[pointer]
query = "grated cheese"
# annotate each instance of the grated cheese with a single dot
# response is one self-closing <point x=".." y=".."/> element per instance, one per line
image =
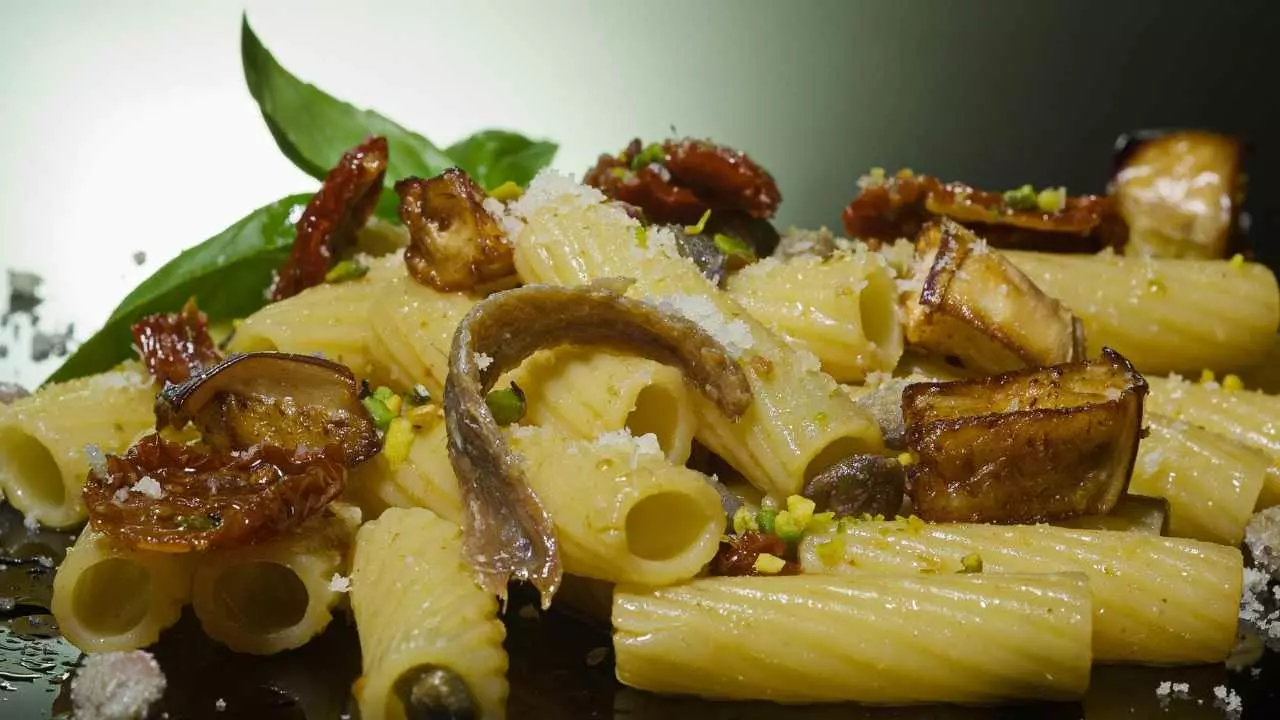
<point x="483" y="361"/>
<point x="116" y="686"/>
<point x="1228" y="700"/>
<point x="734" y="335"/>
<point x="149" y="487"/>
<point x="1262" y="535"/>
<point x="339" y="583"/>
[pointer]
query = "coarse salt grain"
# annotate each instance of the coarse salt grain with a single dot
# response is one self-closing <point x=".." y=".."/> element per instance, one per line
<point x="483" y="361"/>
<point x="339" y="583"/>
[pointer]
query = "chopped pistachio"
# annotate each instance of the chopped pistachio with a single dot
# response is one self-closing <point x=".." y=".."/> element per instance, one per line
<point x="1232" y="382"/>
<point x="346" y="270"/>
<point x="767" y="564"/>
<point x="1237" y="261"/>
<point x="744" y="520"/>
<point x="395" y="446"/>
<point x="734" y="248"/>
<point x="382" y="415"/>
<point x="507" y="405"/>
<point x="1207" y="376"/>
<point x="832" y="551"/>
<point x="619" y="173"/>
<point x="821" y="522"/>
<point x="642" y="236"/>
<point x="907" y="459"/>
<point x="652" y="153"/>
<point x="1023" y="198"/>
<point x="971" y="563"/>
<point x="787" y="526"/>
<point x="1052" y="199"/>
<point x="801" y="508"/>
<point x="506" y="192"/>
<point x="423" y="415"/>
<point x="702" y="224"/>
<point x="389" y="398"/>
<point x="765" y="520"/>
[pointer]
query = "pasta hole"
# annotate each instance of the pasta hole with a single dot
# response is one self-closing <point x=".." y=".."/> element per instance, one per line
<point x="878" y="311"/>
<point x="112" y="597"/>
<point x="834" y="452"/>
<point x="28" y="471"/>
<point x="655" y="412"/>
<point x="665" y="525"/>
<point x="260" y="598"/>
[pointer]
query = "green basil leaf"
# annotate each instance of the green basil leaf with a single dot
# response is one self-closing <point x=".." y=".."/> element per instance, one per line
<point x="228" y="274"/>
<point x="314" y="128"/>
<point x="493" y="157"/>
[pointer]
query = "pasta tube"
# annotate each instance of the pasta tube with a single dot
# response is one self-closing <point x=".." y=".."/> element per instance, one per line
<point x="1165" y="315"/>
<point x="107" y="597"/>
<point x="587" y="393"/>
<point x="883" y="639"/>
<point x="799" y="422"/>
<point x="416" y="604"/>
<point x="425" y="479"/>
<point x="1246" y="416"/>
<point x="410" y="332"/>
<point x="622" y="513"/>
<point x="330" y="319"/>
<point x="844" y="308"/>
<point x="1211" y="482"/>
<point x="274" y="596"/>
<point x="43" y="439"/>
<point x="1155" y="599"/>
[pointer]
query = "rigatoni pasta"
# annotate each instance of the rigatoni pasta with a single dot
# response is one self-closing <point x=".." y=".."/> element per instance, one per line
<point x="873" y="638"/>
<point x="587" y="393"/>
<point x="1165" y="315"/>
<point x="410" y="331"/>
<point x="843" y="308"/>
<point x="1155" y="600"/>
<point x="274" y="596"/>
<point x="1247" y="416"/>
<point x="43" y="439"/>
<point x="799" y="421"/>
<point x="107" y="597"/>
<point x="417" y="606"/>
<point x="1211" y="481"/>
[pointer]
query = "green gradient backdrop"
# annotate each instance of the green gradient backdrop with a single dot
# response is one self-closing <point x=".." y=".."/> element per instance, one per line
<point x="125" y="125"/>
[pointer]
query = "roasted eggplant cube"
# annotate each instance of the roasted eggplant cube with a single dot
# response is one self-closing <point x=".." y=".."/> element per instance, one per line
<point x="1031" y="446"/>
<point x="971" y="303"/>
<point x="1179" y="192"/>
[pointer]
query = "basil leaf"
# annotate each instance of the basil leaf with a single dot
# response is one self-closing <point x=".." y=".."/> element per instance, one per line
<point x="228" y="274"/>
<point x="314" y="128"/>
<point x="493" y="157"/>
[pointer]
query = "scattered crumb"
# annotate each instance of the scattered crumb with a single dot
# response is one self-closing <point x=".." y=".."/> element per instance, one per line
<point x="339" y="583"/>
<point x="117" y="686"/>
<point x="31" y="523"/>
<point x="221" y="705"/>
<point x="483" y="361"/>
<point x="597" y="656"/>
<point x="148" y="486"/>
<point x="139" y="257"/>
<point x="1262" y="535"/>
<point x="1227" y="699"/>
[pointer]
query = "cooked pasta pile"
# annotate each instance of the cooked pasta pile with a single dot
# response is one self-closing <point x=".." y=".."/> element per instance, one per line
<point x="911" y="465"/>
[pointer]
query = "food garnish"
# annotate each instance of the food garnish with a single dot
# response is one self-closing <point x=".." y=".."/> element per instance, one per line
<point x="677" y="181"/>
<point x="455" y="242"/>
<point x="328" y="226"/>
<point x="507" y="531"/>
<point x="739" y="555"/>
<point x="1029" y="446"/>
<point x="967" y="302"/>
<point x="171" y="497"/>
<point x="899" y="206"/>
<point x="299" y="402"/>
<point x="175" y="346"/>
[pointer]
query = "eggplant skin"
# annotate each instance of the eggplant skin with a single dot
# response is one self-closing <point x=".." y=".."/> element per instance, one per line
<point x="1030" y="446"/>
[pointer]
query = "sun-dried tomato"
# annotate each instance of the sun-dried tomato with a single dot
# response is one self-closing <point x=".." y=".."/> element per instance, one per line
<point x="679" y="180"/>
<point x="454" y="242"/>
<point x="171" y="497"/>
<point x="898" y="207"/>
<point x="175" y="346"/>
<point x="328" y="226"/>
<point x="737" y="556"/>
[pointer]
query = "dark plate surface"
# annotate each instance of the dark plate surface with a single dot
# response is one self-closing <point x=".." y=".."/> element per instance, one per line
<point x="550" y="674"/>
